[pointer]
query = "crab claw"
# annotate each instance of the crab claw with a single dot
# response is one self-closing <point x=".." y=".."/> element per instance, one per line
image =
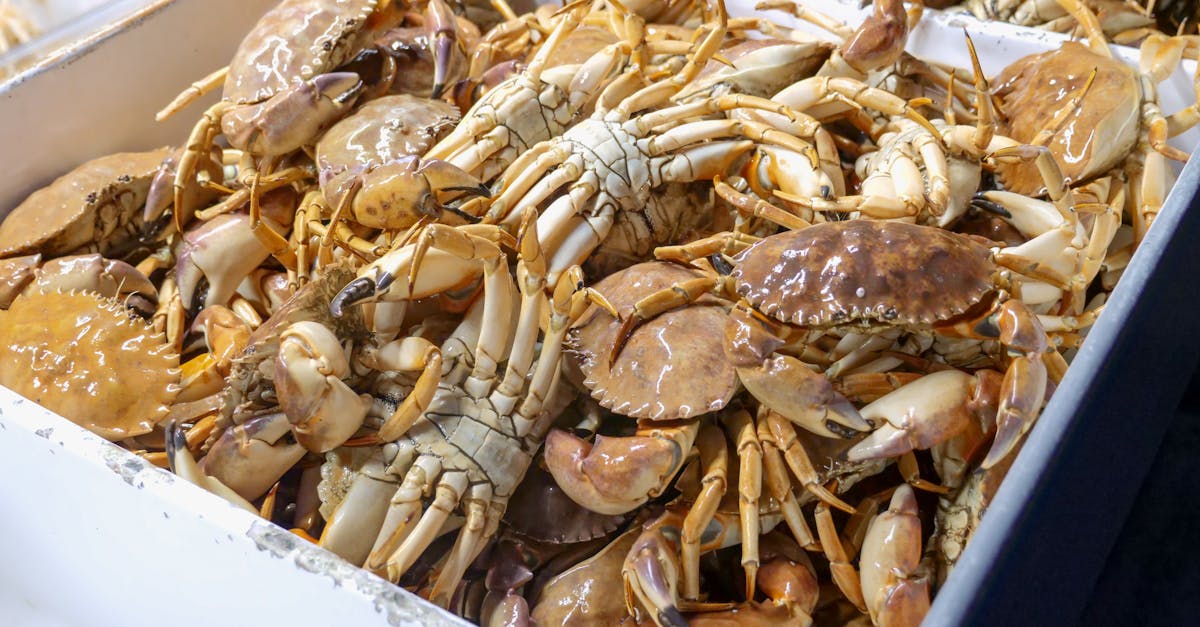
<point x="880" y="39"/>
<point x="397" y="195"/>
<point x="919" y="415"/>
<point x="896" y="592"/>
<point x="359" y="290"/>
<point x="92" y="273"/>
<point x="442" y="31"/>
<point x="249" y="458"/>
<point x="651" y="575"/>
<point x="783" y="383"/>
<point x="323" y="410"/>
<point x="223" y="250"/>
<point x="292" y="118"/>
<point x="617" y="475"/>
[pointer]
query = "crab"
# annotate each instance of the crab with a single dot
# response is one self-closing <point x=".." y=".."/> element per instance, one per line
<point x="280" y="92"/>
<point x="370" y="166"/>
<point x="97" y="207"/>
<point x="1092" y="111"/>
<point x="91" y="273"/>
<point x="805" y="279"/>
<point x="470" y="436"/>
<point x="88" y="358"/>
<point x="892" y="584"/>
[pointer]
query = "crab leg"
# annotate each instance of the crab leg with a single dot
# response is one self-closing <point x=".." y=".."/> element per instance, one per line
<point x="842" y="571"/>
<point x="777" y="481"/>
<point x="466" y="546"/>
<point x="408" y="354"/>
<point x="750" y="471"/>
<point x="714" y="461"/>
<point x="797" y="459"/>
<point x="404" y="507"/>
<point x="448" y="493"/>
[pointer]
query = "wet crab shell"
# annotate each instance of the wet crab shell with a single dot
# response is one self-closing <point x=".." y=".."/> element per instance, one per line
<point x="85" y="357"/>
<point x="1034" y="90"/>
<point x="866" y="272"/>
<point x="97" y="206"/>
<point x="382" y="131"/>
<point x="672" y="367"/>
<point x="299" y="39"/>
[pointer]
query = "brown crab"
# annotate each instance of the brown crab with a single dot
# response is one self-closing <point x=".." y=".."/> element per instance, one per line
<point x="97" y="207"/>
<point x="370" y="168"/>
<point x="864" y="273"/>
<point x="654" y="382"/>
<point x="87" y="358"/>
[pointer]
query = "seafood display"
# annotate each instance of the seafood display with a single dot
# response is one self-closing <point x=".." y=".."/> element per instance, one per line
<point x="609" y="313"/>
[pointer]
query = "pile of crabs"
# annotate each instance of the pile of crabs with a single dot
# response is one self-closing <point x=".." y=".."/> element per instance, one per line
<point x="611" y="312"/>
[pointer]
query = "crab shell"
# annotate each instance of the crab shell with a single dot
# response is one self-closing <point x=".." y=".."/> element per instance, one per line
<point x="96" y="206"/>
<point x="1036" y="88"/>
<point x="382" y="131"/>
<point x="672" y="367"/>
<point x="299" y="39"/>
<point x="86" y="358"/>
<point x="865" y="272"/>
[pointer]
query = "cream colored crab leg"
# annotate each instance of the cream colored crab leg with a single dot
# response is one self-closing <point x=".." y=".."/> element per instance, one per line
<point x="532" y="186"/>
<point x="531" y="279"/>
<point x="797" y="459"/>
<point x="407" y="355"/>
<point x="470" y="537"/>
<point x="404" y="507"/>
<point x="776" y="478"/>
<point x="449" y="492"/>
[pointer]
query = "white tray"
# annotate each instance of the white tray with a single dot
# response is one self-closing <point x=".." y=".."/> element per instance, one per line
<point x="92" y="535"/>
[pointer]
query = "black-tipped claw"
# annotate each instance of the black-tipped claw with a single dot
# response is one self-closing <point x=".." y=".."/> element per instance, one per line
<point x="355" y="292"/>
<point x="985" y="204"/>
<point x="471" y="190"/>
<point x="471" y="219"/>
<point x="175" y="441"/>
<point x="671" y="617"/>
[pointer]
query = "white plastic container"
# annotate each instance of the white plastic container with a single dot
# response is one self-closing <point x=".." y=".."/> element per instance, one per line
<point x="90" y="534"/>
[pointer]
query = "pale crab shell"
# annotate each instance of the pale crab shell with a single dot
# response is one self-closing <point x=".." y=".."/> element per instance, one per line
<point x="92" y="206"/>
<point x="85" y="357"/>
<point x="382" y="131"/>
<point x="672" y="367"/>
<point x="299" y="39"/>
<point x="865" y="272"/>
<point x="1034" y="89"/>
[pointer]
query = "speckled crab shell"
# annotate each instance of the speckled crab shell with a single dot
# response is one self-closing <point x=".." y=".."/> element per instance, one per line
<point x="85" y="357"/>
<point x="865" y="272"/>
<point x="299" y="39"/>
<point x="96" y="206"/>
<point x="672" y="367"/>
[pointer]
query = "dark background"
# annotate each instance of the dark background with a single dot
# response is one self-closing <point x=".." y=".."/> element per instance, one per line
<point x="1152" y="575"/>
